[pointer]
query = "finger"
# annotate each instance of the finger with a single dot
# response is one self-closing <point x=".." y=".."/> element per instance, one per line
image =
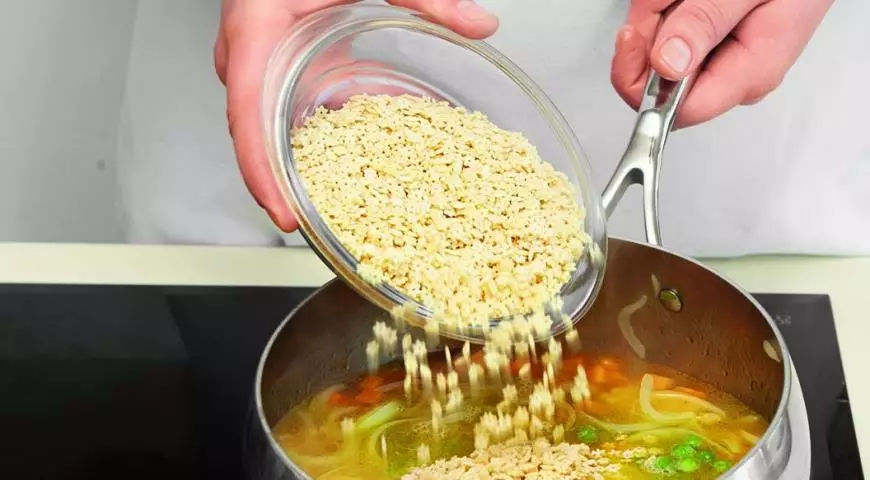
<point x="646" y="16"/>
<point x="692" y="30"/>
<point x="630" y="65"/>
<point x="249" y="48"/>
<point x="220" y="45"/>
<point x="722" y="85"/>
<point x="221" y="57"/>
<point x="302" y="8"/>
<point x="629" y="68"/>
<point x="651" y="6"/>
<point x="755" y="99"/>
<point x="754" y="60"/>
<point x="463" y="16"/>
<point x="646" y="23"/>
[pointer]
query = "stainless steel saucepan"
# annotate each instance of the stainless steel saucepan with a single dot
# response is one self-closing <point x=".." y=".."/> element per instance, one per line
<point x="691" y="319"/>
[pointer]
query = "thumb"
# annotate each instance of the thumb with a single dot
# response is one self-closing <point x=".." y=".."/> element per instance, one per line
<point x="692" y="30"/>
<point x="629" y="67"/>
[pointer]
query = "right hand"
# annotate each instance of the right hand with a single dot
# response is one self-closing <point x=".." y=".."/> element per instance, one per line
<point x="747" y="47"/>
<point x="249" y="32"/>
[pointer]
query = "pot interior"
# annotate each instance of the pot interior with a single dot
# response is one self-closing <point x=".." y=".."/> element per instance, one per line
<point x="692" y="321"/>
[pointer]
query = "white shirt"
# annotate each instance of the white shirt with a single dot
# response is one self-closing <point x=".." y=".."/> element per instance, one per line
<point x="788" y="175"/>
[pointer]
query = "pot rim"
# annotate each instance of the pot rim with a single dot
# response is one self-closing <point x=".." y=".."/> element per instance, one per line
<point x="779" y="415"/>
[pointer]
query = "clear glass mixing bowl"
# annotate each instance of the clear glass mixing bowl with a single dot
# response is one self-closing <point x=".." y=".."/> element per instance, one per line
<point x="375" y="49"/>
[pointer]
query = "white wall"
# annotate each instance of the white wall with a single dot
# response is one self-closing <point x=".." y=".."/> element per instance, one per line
<point x="62" y="70"/>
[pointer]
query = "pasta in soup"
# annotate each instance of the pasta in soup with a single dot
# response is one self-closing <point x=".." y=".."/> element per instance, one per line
<point x="585" y="416"/>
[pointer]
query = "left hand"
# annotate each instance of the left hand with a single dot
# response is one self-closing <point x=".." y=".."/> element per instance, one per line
<point x="249" y="32"/>
<point x="751" y="45"/>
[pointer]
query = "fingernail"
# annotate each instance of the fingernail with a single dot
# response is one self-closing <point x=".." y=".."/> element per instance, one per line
<point x="472" y="11"/>
<point x="676" y="54"/>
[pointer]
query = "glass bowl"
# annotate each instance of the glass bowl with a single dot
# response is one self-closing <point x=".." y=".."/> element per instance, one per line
<point x="378" y="49"/>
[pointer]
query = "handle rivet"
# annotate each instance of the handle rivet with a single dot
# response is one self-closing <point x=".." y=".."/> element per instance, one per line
<point x="671" y="299"/>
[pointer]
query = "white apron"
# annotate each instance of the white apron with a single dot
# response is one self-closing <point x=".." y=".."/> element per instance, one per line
<point x="788" y="175"/>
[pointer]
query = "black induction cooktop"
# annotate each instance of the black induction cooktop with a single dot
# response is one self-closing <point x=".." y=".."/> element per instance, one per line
<point x="806" y="322"/>
<point x="150" y="382"/>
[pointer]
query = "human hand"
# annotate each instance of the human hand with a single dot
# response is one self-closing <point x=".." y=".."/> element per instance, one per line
<point x="249" y="31"/>
<point x="749" y="44"/>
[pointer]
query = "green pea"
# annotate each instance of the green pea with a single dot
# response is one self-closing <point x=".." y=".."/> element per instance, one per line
<point x="693" y="440"/>
<point x="587" y="434"/>
<point x="706" y="456"/>
<point x="663" y="462"/>
<point x="683" y="451"/>
<point x="721" y="465"/>
<point x="688" y="465"/>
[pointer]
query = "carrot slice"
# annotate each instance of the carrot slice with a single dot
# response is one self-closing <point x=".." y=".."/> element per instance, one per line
<point x="661" y="382"/>
<point x="609" y="363"/>
<point x="691" y="391"/>
<point x="602" y="376"/>
<point x="370" y="382"/>
<point x="598" y="374"/>
<point x="338" y="399"/>
<point x="368" y="397"/>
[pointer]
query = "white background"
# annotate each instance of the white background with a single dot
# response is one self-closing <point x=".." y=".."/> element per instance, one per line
<point x="62" y="71"/>
<point x="789" y="175"/>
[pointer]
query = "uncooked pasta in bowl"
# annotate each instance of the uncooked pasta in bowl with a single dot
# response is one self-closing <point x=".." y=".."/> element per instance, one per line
<point x="453" y="195"/>
<point x="442" y="205"/>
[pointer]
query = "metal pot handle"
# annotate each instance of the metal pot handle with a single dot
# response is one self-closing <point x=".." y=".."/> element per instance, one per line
<point x="641" y="162"/>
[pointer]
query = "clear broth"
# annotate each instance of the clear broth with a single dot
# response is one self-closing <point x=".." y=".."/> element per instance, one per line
<point x="718" y="431"/>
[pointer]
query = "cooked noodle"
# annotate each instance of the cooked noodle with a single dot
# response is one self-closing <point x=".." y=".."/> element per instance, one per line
<point x="750" y="438"/>
<point x="625" y="428"/>
<point x="336" y="415"/>
<point x="685" y="397"/>
<point x="646" y="386"/>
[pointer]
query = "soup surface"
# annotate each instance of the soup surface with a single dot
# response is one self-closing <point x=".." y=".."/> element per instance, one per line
<point x="637" y="421"/>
